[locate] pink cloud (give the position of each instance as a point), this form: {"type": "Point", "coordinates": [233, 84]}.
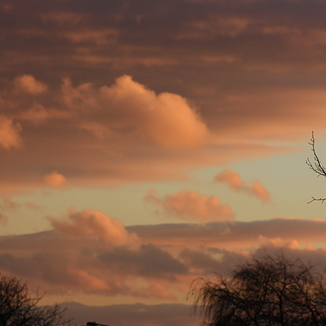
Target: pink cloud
{"type": "Point", "coordinates": [235, 183]}
{"type": "Point", "coordinates": [140, 135]}
{"type": "Point", "coordinates": [94, 225]}
{"type": "Point", "coordinates": [279, 243]}
{"type": "Point", "coordinates": [189, 205]}
{"type": "Point", "coordinates": [29, 84]}
{"type": "Point", "coordinates": [9, 133]}
{"type": "Point", "coordinates": [167, 119]}
{"type": "Point", "coordinates": [89, 253]}
{"type": "Point", "coordinates": [55, 179]}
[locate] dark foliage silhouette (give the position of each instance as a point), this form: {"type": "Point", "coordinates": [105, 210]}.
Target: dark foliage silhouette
{"type": "Point", "coordinates": [19, 308]}
{"type": "Point", "coordinates": [266, 291]}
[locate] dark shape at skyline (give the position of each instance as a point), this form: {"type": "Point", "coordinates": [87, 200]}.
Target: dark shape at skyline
{"type": "Point", "coordinates": [268, 290]}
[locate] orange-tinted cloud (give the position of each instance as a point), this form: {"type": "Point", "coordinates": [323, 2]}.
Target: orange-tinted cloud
{"type": "Point", "coordinates": [235, 183]}
{"type": "Point", "coordinates": [189, 205]}
{"type": "Point", "coordinates": [9, 133]}
{"type": "Point", "coordinates": [167, 119]}
{"type": "Point", "coordinates": [94, 225]}
{"type": "Point", "coordinates": [223, 81]}
{"type": "Point", "coordinates": [29, 84]}
{"type": "Point", "coordinates": [279, 243]}
{"type": "Point", "coordinates": [78, 257]}
{"type": "Point", "coordinates": [233, 234]}
{"type": "Point", "coordinates": [119, 133]}
{"type": "Point", "coordinates": [55, 180]}
{"type": "Point", "coordinates": [91, 253]}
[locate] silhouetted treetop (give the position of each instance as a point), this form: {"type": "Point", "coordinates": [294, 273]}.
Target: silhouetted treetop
{"type": "Point", "coordinates": [19, 308]}
{"type": "Point", "coordinates": [265, 291]}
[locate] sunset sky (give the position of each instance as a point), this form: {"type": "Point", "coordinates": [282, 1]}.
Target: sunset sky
{"type": "Point", "coordinates": [145, 143]}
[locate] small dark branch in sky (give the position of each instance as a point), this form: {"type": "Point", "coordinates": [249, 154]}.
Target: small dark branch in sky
{"type": "Point", "coordinates": [316, 199]}
{"type": "Point", "coordinates": [316, 166]}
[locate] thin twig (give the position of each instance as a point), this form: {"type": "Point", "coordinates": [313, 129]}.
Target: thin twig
{"type": "Point", "coordinates": [316, 166]}
{"type": "Point", "coordinates": [316, 199]}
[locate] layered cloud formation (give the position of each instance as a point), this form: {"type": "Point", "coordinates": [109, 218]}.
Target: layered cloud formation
{"type": "Point", "coordinates": [103, 135]}
{"type": "Point", "coordinates": [104, 96]}
{"type": "Point", "coordinates": [88, 252]}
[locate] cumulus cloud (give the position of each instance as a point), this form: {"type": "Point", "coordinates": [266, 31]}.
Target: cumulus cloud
{"type": "Point", "coordinates": [190, 205]}
{"type": "Point", "coordinates": [167, 119]}
{"type": "Point", "coordinates": [28, 84]}
{"type": "Point", "coordinates": [55, 180]}
{"type": "Point", "coordinates": [235, 183]}
{"type": "Point", "coordinates": [94, 225]}
{"type": "Point", "coordinates": [9, 133]}
{"type": "Point", "coordinates": [133, 126]}
{"type": "Point", "coordinates": [91, 253]}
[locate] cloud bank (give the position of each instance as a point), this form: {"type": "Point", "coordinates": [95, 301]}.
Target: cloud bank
{"type": "Point", "coordinates": [89, 253]}
{"type": "Point", "coordinates": [97, 135]}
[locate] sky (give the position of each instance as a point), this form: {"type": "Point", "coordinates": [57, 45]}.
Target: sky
{"type": "Point", "coordinates": [144, 144]}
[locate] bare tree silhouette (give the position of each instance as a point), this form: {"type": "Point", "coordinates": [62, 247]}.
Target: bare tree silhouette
{"type": "Point", "coordinates": [263, 292]}
{"type": "Point", "coordinates": [19, 308]}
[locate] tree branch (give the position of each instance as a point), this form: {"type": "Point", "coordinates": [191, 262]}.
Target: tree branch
{"type": "Point", "coordinates": [315, 166]}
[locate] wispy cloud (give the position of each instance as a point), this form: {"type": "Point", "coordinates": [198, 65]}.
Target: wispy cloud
{"type": "Point", "coordinates": [235, 183]}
